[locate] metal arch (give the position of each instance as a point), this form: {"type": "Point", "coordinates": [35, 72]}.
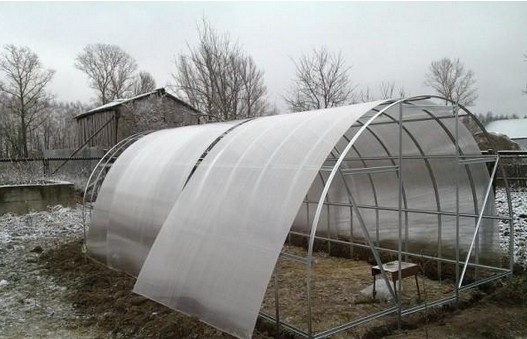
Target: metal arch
{"type": "Point", "coordinates": [358, 214]}
{"type": "Point", "coordinates": [116, 150]}
{"type": "Point", "coordinates": [489, 140]}
{"type": "Point", "coordinates": [336, 168]}
{"type": "Point", "coordinates": [390, 158]}
{"type": "Point", "coordinates": [432, 178]}
{"type": "Point", "coordinates": [455, 141]}
{"type": "Point", "coordinates": [353, 203]}
{"type": "Point", "coordinates": [373, 189]}
{"type": "Point", "coordinates": [370, 179]}
{"type": "Point", "coordinates": [502, 172]}
{"type": "Point", "coordinates": [459, 151]}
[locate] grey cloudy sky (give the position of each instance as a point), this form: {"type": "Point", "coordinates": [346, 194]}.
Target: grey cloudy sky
{"type": "Point", "coordinates": [383, 41]}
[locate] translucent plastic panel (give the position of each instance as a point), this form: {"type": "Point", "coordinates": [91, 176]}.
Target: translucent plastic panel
{"type": "Point", "coordinates": [140, 190]}
{"type": "Point", "coordinates": [100, 219]}
{"type": "Point", "coordinates": [217, 249]}
{"type": "Point", "coordinates": [429, 184]}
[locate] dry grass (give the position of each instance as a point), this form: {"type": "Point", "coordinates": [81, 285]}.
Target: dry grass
{"type": "Point", "coordinates": [336, 293]}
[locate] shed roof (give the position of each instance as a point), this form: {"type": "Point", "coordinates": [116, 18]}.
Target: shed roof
{"type": "Point", "coordinates": [513, 128]}
{"type": "Point", "coordinates": [118, 102]}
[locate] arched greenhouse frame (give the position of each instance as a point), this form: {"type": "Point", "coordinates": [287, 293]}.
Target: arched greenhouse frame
{"type": "Point", "coordinates": [232, 221]}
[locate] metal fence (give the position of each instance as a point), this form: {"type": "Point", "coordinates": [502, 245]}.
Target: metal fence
{"type": "Point", "coordinates": [77, 170]}
{"type": "Point", "coordinates": [515, 165]}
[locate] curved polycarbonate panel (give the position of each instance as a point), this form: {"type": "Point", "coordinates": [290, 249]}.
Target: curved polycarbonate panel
{"type": "Point", "coordinates": [223, 236]}
{"type": "Point", "coordinates": [100, 217]}
{"type": "Point", "coordinates": [140, 190]}
{"type": "Point", "coordinates": [429, 185]}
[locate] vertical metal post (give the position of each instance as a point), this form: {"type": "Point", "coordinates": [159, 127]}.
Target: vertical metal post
{"type": "Point", "coordinates": [307, 212]}
{"type": "Point", "coordinates": [351, 232]}
{"type": "Point", "coordinates": [308, 279]}
{"type": "Point", "coordinates": [329, 228]}
{"type": "Point", "coordinates": [276, 300]}
{"type": "Point", "coordinates": [377, 232]}
{"type": "Point", "coordinates": [456, 115]}
{"type": "Point", "coordinates": [400, 213]}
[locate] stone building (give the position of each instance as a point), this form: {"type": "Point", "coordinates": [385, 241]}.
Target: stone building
{"type": "Point", "coordinates": [104, 126]}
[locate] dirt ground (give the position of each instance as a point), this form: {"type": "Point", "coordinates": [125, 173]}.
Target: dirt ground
{"type": "Point", "coordinates": [105, 302]}
{"type": "Point", "coordinates": [49, 289]}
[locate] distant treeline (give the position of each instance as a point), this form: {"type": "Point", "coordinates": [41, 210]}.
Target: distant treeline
{"type": "Point", "coordinates": [485, 119]}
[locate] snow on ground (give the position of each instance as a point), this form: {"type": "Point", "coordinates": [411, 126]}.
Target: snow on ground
{"type": "Point", "coordinates": [33, 304]}
{"type": "Point", "coordinates": [519, 207]}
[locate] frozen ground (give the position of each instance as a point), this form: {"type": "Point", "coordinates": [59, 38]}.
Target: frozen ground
{"type": "Point", "coordinates": [519, 206]}
{"type": "Point", "coordinates": [36, 305]}
{"type": "Point", "coordinates": [33, 304]}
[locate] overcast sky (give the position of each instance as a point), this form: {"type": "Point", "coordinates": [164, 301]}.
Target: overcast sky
{"type": "Point", "coordinates": [390, 42]}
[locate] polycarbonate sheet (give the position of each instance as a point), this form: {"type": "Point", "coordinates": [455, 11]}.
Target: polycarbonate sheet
{"type": "Point", "coordinates": [223, 236]}
{"type": "Point", "coordinates": [140, 190]}
{"type": "Point", "coordinates": [424, 138]}
{"type": "Point", "coordinates": [100, 217]}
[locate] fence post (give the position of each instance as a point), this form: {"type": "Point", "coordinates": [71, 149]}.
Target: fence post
{"type": "Point", "coordinates": [45, 166]}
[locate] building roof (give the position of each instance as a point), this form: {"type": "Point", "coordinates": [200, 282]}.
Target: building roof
{"type": "Point", "coordinates": [118, 102]}
{"type": "Point", "coordinates": [513, 128]}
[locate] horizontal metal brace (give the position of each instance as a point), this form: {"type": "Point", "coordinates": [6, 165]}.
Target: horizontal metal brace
{"type": "Point", "coordinates": [356, 322]}
{"type": "Point", "coordinates": [381, 121]}
{"type": "Point", "coordinates": [410, 210]}
{"type": "Point", "coordinates": [409, 254]}
{"type": "Point", "coordinates": [293, 257]}
{"type": "Point", "coordinates": [409, 157]}
{"type": "Point", "coordinates": [477, 160]}
{"type": "Point", "coordinates": [287, 326]}
{"type": "Point", "coordinates": [364, 170]}
{"type": "Point", "coordinates": [407, 105]}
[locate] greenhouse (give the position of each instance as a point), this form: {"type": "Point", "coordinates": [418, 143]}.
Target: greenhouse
{"type": "Point", "coordinates": [291, 218]}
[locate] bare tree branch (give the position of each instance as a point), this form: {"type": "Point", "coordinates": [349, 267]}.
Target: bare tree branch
{"type": "Point", "coordinates": [143, 83]}
{"type": "Point", "coordinates": [322, 80]}
{"type": "Point", "coordinates": [450, 80]}
{"type": "Point", "coordinates": [366, 95]}
{"type": "Point", "coordinates": [24, 95]}
{"type": "Point", "coordinates": [219, 79]}
{"type": "Point", "coordinates": [110, 70]}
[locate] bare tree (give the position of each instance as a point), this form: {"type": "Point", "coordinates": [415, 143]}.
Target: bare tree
{"type": "Point", "coordinates": [322, 80]}
{"type": "Point", "coordinates": [450, 80]}
{"type": "Point", "coordinates": [24, 94]}
{"type": "Point", "coordinates": [110, 70]}
{"type": "Point", "coordinates": [219, 79]}
{"type": "Point", "coordinates": [366, 95]}
{"type": "Point", "coordinates": [59, 130]}
{"type": "Point", "coordinates": [387, 90]}
{"type": "Point", "coordinates": [143, 83]}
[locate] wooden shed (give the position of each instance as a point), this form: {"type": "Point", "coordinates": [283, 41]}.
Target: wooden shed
{"type": "Point", "coordinates": [104, 126]}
